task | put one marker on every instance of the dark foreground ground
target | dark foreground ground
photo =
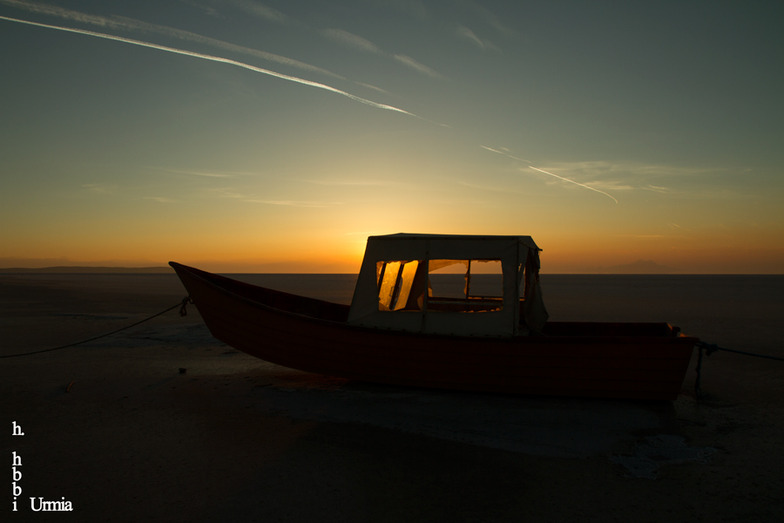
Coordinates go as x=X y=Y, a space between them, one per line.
x=162 y=423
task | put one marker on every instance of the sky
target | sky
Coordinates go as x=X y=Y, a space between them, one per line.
x=276 y=136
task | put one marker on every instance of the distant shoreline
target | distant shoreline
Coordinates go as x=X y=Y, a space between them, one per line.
x=167 y=270
x=87 y=270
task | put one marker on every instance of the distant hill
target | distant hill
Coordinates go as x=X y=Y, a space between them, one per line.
x=88 y=270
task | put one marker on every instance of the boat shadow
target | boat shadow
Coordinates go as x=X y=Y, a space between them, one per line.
x=542 y=426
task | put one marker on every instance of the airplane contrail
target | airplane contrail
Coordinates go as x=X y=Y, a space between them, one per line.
x=504 y=153
x=218 y=59
x=530 y=166
x=295 y=79
x=574 y=182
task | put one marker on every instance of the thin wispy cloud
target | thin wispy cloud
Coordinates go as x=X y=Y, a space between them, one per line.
x=492 y=20
x=363 y=44
x=416 y=66
x=415 y=9
x=354 y=183
x=548 y=173
x=295 y=203
x=160 y=199
x=68 y=14
x=602 y=176
x=352 y=40
x=261 y=11
x=486 y=187
x=201 y=174
x=118 y=23
x=373 y=87
x=225 y=192
x=636 y=169
x=569 y=180
x=100 y=188
x=627 y=176
x=504 y=152
x=218 y=59
x=233 y=193
x=468 y=35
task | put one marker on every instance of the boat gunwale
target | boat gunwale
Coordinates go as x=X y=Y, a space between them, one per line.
x=670 y=333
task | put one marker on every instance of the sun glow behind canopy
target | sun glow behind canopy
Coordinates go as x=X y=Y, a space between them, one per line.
x=395 y=285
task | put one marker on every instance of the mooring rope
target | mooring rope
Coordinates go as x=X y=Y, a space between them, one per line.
x=183 y=312
x=710 y=348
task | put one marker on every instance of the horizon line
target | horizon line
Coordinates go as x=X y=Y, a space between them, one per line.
x=165 y=269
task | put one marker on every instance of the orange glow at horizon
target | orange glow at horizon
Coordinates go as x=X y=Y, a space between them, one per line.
x=343 y=254
x=237 y=141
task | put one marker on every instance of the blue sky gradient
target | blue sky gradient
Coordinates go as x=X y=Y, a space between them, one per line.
x=276 y=136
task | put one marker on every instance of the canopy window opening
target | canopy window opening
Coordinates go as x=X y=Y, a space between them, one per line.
x=396 y=286
x=471 y=285
x=459 y=285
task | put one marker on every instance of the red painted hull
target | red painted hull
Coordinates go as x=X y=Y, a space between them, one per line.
x=610 y=360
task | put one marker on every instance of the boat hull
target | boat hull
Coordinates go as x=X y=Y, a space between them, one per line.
x=609 y=360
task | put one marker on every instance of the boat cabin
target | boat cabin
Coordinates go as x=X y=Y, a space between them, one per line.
x=462 y=285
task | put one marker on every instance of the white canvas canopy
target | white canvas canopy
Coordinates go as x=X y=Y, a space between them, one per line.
x=397 y=290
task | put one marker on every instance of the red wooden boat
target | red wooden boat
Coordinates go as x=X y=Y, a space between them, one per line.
x=406 y=325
